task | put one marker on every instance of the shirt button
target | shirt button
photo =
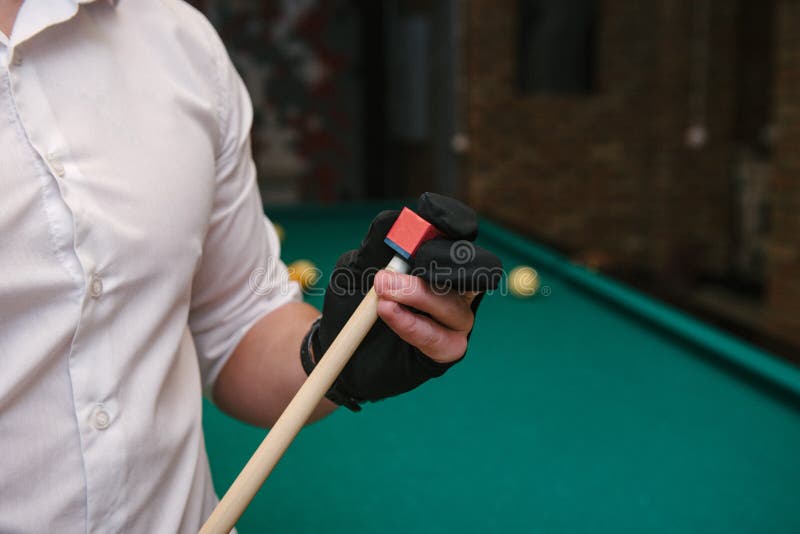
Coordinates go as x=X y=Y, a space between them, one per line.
x=96 y=287
x=17 y=58
x=55 y=164
x=100 y=419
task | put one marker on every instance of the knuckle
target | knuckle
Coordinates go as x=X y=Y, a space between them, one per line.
x=431 y=337
x=469 y=316
x=460 y=347
x=417 y=294
x=409 y=323
x=469 y=323
x=464 y=318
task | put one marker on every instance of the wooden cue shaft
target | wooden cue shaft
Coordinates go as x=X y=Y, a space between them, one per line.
x=260 y=465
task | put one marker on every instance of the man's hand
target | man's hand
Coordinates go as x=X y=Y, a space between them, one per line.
x=425 y=321
x=442 y=333
x=426 y=317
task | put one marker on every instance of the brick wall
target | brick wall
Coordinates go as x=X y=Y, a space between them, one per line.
x=609 y=170
x=612 y=171
x=783 y=301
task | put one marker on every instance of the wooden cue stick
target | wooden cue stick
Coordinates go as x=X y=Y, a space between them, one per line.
x=260 y=465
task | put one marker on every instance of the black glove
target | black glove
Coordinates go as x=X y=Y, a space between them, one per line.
x=384 y=365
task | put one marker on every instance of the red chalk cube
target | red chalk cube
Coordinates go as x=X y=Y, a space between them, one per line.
x=409 y=232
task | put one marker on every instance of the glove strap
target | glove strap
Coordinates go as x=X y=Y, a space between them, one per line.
x=308 y=349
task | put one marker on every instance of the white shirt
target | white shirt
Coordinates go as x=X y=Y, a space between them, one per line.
x=131 y=232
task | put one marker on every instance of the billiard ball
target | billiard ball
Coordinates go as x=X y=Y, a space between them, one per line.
x=523 y=281
x=303 y=272
x=280 y=231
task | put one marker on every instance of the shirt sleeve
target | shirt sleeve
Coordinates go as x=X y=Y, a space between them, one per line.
x=240 y=277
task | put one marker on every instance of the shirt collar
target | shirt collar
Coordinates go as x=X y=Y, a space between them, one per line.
x=112 y=3
x=36 y=15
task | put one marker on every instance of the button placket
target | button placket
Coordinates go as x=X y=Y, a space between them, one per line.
x=55 y=164
x=100 y=418
x=95 y=287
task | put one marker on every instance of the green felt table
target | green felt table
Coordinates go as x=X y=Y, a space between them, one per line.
x=592 y=409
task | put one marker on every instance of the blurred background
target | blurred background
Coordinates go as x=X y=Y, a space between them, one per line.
x=654 y=141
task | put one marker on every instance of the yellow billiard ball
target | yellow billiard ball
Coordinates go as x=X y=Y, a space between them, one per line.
x=280 y=231
x=304 y=272
x=523 y=281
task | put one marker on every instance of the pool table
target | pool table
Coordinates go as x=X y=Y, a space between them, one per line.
x=587 y=408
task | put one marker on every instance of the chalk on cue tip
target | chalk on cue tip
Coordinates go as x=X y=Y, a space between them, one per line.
x=409 y=232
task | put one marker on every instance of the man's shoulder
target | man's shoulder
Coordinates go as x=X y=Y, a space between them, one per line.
x=175 y=34
x=185 y=14
x=179 y=21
